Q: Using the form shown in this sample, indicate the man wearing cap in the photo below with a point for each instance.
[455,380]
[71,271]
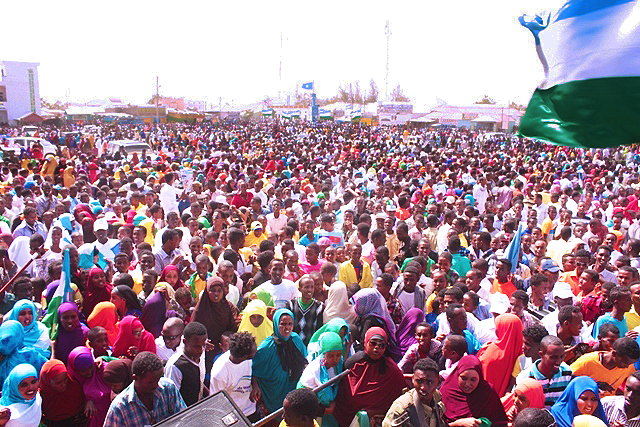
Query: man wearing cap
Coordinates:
[109,248]
[255,236]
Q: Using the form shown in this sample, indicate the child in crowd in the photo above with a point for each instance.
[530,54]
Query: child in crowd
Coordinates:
[186,367]
[425,346]
[453,348]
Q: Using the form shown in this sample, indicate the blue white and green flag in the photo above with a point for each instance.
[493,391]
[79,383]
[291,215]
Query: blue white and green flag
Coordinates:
[590,97]
[62,294]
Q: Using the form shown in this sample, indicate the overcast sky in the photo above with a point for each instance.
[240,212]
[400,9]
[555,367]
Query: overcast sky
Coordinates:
[455,50]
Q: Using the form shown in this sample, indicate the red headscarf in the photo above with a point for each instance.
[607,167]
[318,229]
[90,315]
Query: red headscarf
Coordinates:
[371,384]
[57,406]
[163,276]
[499,357]
[481,402]
[126,339]
[93,294]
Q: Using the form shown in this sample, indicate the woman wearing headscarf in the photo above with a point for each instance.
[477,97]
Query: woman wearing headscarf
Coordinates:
[327,365]
[374,382]
[154,312]
[279,361]
[337,304]
[36,334]
[118,375]
[217,315]
[467,395]
[132,339]
[406,332]
[20,395]
[98,290]
[63,401]
[126,301]
[337,325]
[527,394]
[498,358]
[104,314]
[171,275]
[581,397]
[83,368]
[71,333]
[19,251]
[255,321]
[371,309]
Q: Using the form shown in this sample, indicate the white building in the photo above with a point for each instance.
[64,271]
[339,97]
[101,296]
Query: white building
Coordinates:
[19,90]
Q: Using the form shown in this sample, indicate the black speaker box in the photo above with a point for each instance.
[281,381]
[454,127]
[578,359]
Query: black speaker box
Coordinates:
[218,410]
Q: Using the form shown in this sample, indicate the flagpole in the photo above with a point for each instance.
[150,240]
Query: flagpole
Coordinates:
[24,267]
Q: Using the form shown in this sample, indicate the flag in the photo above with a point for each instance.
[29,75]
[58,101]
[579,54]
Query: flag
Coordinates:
[512,252]
[356,114]
[590,97]
[267,112]
[90,256]
[294,113]
[62,294]
[325,114]
[286,114]
[308,86]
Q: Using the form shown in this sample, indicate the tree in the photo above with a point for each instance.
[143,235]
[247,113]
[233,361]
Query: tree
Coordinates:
[397,95]
[518,107]
[373,94]
[486,100]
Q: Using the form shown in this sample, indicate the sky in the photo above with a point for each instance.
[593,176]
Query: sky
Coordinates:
[455,50]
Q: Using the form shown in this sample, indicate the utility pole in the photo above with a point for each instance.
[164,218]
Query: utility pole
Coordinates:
[387,32]
[280,69]
[157,112]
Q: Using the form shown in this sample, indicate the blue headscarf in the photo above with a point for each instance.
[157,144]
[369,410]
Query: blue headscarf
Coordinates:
[566,408]
[276,322]
[13,349]
[32,331]
[10,393]
[65,221]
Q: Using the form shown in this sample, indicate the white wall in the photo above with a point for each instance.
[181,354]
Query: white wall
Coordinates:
[20,91]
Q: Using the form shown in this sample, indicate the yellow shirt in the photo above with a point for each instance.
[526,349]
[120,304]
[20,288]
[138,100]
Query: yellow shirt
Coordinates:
[251,239]
[393,244]
[590,365]
[633,318]
[347,274]
[198,285]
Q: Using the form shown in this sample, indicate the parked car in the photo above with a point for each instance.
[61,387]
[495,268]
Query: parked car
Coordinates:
[29,130]
[15,144]
[128,146]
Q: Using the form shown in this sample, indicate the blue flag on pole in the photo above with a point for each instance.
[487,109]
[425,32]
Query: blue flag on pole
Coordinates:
[512,253]
[308,86]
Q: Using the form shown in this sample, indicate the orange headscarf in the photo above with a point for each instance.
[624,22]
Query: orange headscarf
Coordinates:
[532,389]
[498,358]
[104,314]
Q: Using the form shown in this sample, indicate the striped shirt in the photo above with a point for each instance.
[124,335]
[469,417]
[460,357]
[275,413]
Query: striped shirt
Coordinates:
[552,387]
[614,410]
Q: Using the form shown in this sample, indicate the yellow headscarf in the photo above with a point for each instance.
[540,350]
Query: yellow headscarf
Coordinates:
[265,329]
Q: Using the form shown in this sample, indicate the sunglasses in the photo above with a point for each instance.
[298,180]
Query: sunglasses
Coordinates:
[379,344]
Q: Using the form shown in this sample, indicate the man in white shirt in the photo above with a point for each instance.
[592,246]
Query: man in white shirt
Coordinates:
[276,220]
[169,195]
[481,194]
[231,372]
[170,339]
[282,290]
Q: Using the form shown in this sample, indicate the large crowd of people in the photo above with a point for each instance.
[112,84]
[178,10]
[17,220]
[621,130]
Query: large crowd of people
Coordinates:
[461,280]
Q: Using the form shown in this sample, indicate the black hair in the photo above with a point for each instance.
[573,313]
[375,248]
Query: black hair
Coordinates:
[194,329]
[536,332]
[550,340]
[534,417]
[124,279]
[451,309]
[458,343]
[93,332]
[565,313]
[538,279]
[168,235]
[617,292]
[387,279]
[607,328]
[234,235]
[455,292]
[426,365]
[264,259]
[303,402]
[425,325]
[627,347]
[521,295]
[144,362]
[475,298]
[241,344]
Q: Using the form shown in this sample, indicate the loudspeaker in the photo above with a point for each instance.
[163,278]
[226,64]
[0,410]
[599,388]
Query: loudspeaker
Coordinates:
[218,410]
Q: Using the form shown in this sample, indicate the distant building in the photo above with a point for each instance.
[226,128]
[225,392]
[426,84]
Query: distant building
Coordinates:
[19,91]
